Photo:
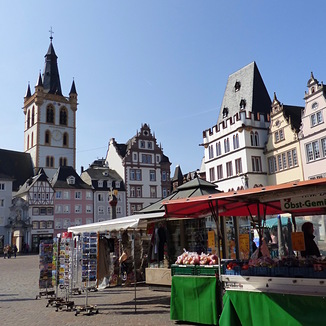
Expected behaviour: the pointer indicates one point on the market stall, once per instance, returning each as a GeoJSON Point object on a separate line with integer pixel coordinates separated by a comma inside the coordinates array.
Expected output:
{"type": "Point", "coordinates": [293, 279]}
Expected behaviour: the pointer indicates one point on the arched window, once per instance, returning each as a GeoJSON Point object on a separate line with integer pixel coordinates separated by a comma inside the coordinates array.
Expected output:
{"type": "Point", "coordinates": [32, 140]}
{"type": "Point", "coordinates": [33, 116]}
{"type": "Point", "coordinates": [65, 139]}
{"type": "Point", "coordinates": [28, 118]}
{"type": "Point", "coordinates": [256, 139]}
{"type": "Point", "coordinates": [63, 116]}
{"type": "Point", "coordinates": [50, 114]}
{"type": "Point", "coordinates": [49, 161]}
{"type": "Point", "coordinates": [47, 137]}
{"type": "Point", "coordinates": [235, 141]}
{"type": "Point", "coordinates": [28, 142]}
{"type": "Point", "coordinates": [252, 139]}
{"type": "Point", "coordinates": [63, 161]}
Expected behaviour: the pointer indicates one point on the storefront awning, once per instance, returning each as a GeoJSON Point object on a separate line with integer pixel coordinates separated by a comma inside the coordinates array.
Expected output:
{"type": "Point", "coordinates": [137, 221]}
{"type": "Point", "coordinates": [297, 198]}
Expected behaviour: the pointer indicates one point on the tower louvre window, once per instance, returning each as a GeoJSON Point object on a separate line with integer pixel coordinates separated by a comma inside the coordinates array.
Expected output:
{"type": "Point", "coordinates": [50, 114]}
{"type": "Point", "coordinates": [63, 116]}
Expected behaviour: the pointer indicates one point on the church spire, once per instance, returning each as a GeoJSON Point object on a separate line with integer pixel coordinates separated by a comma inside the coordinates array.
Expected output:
{"type": "Point", "coordinates": [51, 78]}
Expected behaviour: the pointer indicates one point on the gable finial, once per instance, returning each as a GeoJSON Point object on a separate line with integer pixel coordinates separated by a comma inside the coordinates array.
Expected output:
{"type": "Point", "coordinates": [51, 34]}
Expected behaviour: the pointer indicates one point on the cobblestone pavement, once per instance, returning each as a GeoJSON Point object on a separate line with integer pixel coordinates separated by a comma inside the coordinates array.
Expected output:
{"type": "Point", "coordinates": [18, 304]}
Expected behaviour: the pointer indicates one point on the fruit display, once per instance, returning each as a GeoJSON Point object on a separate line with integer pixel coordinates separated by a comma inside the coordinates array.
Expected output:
{"type": "Point", "coordinates": [193, 258]}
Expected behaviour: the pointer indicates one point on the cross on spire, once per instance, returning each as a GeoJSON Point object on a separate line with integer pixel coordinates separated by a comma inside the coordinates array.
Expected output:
{"type": "Point", "coordinates": [51, 33]}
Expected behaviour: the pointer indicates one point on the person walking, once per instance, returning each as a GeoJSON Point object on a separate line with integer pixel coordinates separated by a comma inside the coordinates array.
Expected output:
{"type": "Point", "coordinates": [15, 249]}
{"type": "Point", "coordinates": [5, 251]}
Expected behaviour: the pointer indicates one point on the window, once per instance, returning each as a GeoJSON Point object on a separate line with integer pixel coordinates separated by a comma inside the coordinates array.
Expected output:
{"type": "Point", "coordinates": [256, 164]}
{"type": "Point", "coordinates": [242, 104]}
{"type": "Point", "coordinates": [78, 221]}
{"type": "Point", "coordinates": [138, 191]}
{"type": "Point", "coordinates": [237, 86]}
{"type": "Point", "coordinates": [229, 170]}
{"type": "Point", "coordinates": [138, 175]}
{"type": "Point", "coordinates": [58, 209]}
{"type": "Point", "coordinates": [78, 195]}
{"type": "Point", "coordinates": [164, 192]}
{"type": "Point", "coordinates": [210, 152]}
{"type": "Point", "coordinates": [158, 158]}
{"type": "Point", "coordinates": [88, 195]}
{"type": "Point", "coordinates": [66, 209]}
{"type": "Point", "coordinates": [2, 186]}
{"type": "Point", "coordinates": [153, 192]}
{"type": "Point", "coordinates": [100, 197]}
{"type": "Point", "coordinates": [284, 161]}
{"type": "Point", "coordinates": [33, 116]}
{"type": "Point", "coordinates": [152, 175]}
{"type": "Point", "coordinates": [134, 157]}
{"type": "Point", "coordinates": [71, 180]}
{"type": "Point", "coordinates": [316, 119]}
{"type": "Point", "coordinates": [226, 145]}
{"type": "Point", "coordinates": [132, 191]}
{"type": "Point", "coordinates": [50, 114]}
{"type": "Point", "coordinates": [219, 170]}
{"type": "Point", "coordinates": [142, 144]}
{"type": "Point", "coordinates": [63, 116]}
{"type": "Point", "coordinates": [66, 223]}
{"type": "Point", "coordinates": [65, 139]}
{"type": "Point", "coordinates": [100, 210]}
{"type": "Point", "coordinates": [279, 162]}
{"type": "Point", "coordinates": [100, 183]}
{"type": "Point", "coordinates": [28, 118]}
{"type": "Point", "coordinates": [89, 208]}
{"type": "Point", "coordinates": [58, 194]}
{"type": "Point", "coordinates": [78, 209]}
{"type": "Point", "coordinates": [146, 158]}
{"type": "Point", "coordinates": [2, 202]}
{"type": "Point", "coordinates": [149, 145]}
{"type": "Point", "coordinates": [281, 132]}
{"type": "Point", "coordinates": [163, 175]}
{"type": "Point", "coordinates": [47, 137]}
{"type": "Point", "coordinates": [295, 157]}
{"type": "Point", "coordinates": [58, 223]}
{"type": "Point", "coordinates": [35, 225]}
{"type": "Point", "coordinates": [66, 195]}
{"type": "Point", "coordinates": [238, 166]}
{"type": "Point", "coordinates": [254, 138]}
{"type": "Point", "coordinates": [118, 209]}
{"type": "Point", "coordinates": [49, 161]}
{"type": "Point", "coordinates": [132, 174]}
{"type": "Point", "coordinates": [235, 141]}
{"type": "Point", "coordinates": [271, 165]}
{"type": "Point", "coordinates": [89, 220]}
{"type": "Point", "coordinates": [218, 149]}
{"type": "Point", "coordinates": [49, 224]}
{"type": "Point", "coordinates": [312, 151]}
{"type": "Point", "coordinates": [42, 225]}
{"type": "Point", "coordinates": [211, 175]}
{"type": "Point", "coordinates": [63, 161]}
{"type": "Point", "coordinates": [42, 211]}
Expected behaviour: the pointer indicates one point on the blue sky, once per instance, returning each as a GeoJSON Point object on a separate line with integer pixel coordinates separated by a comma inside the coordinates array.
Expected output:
{"type": "Point", "coordinates": [164, 63]}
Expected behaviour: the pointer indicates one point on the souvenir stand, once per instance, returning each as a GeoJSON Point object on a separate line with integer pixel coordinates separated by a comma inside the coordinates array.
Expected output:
{"type": "Point", "coordinates": [45, 266]}
{"type": "Point", "coordinates": [290, 289]}
{"type": "Point", "coordinates": [88, 246]}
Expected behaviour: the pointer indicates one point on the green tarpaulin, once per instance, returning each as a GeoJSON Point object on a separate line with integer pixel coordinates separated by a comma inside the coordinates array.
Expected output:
{"type": "Point", "coordinates": [194, 299]}
{"type": "Point", "coordinates": [270, 309]}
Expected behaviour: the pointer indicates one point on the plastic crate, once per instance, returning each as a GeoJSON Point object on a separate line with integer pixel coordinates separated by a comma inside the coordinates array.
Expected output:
{"type": "Point", "coordinates": [235, 271]}
{"type": "Point", "coordinates": [260, 271]}
{"type": "Point", "coordinates": [280, 271]}
{"type": "Point", "coordinates": [209, 270]}
{"type": "Point", "coordinates": [183, 270]}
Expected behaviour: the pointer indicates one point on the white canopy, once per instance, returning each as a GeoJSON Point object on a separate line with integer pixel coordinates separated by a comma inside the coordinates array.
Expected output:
{"type": "Point", "coordinates": [137, 221]}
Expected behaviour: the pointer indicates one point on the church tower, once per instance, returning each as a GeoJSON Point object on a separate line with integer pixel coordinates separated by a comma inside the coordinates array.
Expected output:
{"type": "Point", "coordinates": [50, 119]}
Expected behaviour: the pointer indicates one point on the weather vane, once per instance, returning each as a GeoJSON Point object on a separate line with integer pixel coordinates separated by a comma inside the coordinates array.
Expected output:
{"type": "Point", "coordinates": [51, 33]}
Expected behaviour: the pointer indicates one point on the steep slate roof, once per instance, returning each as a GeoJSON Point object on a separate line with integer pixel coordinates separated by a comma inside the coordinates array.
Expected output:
{"type": "Point", "coordinates": [51, 78]}
{"type": "Point", "coordinates": [295, 113]}
{"type": "Point", "coordinates": [193, 188]}
{"type": "Point", "coordinates": [41, 176]}
{"type": "Point", "coordinates": [251, 89]}
{"type": "Point", "coordinates": [59, 179]}
{"type": "Point", "coordinates": [17, 166]}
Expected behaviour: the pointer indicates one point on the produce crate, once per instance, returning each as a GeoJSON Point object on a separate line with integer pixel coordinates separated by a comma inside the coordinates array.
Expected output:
{"type": "Point", "coordinates": [207, 270]}
{"type": "Point", "coordinates": [280, 271]}
{"type": "Point", "coordinates": [235, 271]}
{"type": "Point", "coordinates": [183, 270]}
{"type": "Point", "coordinates": [260, 271]}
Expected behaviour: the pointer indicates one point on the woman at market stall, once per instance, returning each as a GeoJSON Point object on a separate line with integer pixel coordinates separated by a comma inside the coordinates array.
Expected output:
{"type": "Point", "coordinates": [310, 244]}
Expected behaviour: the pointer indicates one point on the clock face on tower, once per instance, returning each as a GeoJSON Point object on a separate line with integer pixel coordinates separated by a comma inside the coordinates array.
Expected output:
{"type": "Point", "coordinates": [56, 134]}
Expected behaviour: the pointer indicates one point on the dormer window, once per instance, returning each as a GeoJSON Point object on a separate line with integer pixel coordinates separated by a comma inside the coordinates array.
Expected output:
{"type": "Point", "coordinates": [105, 173]}
{"type": "Point", "coordinates": [314, 106]}
{"type": "Point", "coordinates": [225, 112]}
{"type": "Point", "coordinates": [237, 86]}
{"type": "Point", "coordinates": [71, 180]}
{"type": "Point", "coordinates": [242, 104]}
{"type": "Point", "coordinates": [100, 183]}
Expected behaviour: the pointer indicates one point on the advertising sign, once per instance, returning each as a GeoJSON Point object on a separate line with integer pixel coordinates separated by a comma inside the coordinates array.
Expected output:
{"type": "Point", "coordinates": [304, 202]}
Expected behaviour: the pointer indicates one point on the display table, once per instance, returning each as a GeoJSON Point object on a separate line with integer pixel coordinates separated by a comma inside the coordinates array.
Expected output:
{"type": "Point", "coordinates": [259, 308]}
{"type": "Point", "coordinates": [195, 299]}
{"type": "Point", "coordinates": [158, 276]}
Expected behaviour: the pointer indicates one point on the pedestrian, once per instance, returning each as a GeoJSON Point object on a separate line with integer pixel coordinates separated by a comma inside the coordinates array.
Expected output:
{"type": "Point", "coordinates": [5, 251]}
{"type": "Point", "coordinates": [9, 251]}
{"type": "Point", "coordinates": [311, 248]}
{"type": "Point", "coordinates": [15, 249]}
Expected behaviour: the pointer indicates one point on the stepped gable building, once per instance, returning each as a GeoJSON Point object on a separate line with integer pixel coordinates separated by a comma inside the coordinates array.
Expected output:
{"type": "Point", "coordinates": [15, 169]}
{"type": "Point", "coordinates": [283, 152]}
{"type": "Point", "coordinates": [73, 202]}
{"type": "Point", "coordinates": [38, 194]}
{"type": "Point", "coordinates": [143, 167]}
{"type": "Point", "coordinates": [109, 191]}
{"type": "Point", "coordinates": [50, 119]}
{"type": "Point", "coordinates": [234, 147]}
